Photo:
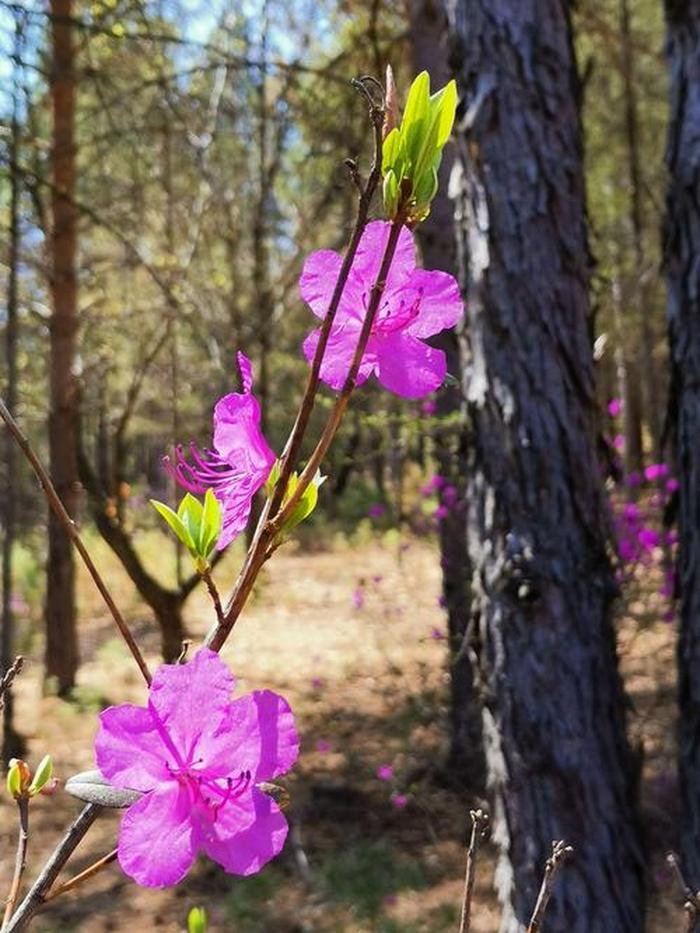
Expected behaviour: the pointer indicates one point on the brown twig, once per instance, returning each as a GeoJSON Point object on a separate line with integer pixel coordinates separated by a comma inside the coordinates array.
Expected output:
{"type": "Point", "coordinates": [215, 598]}
{"type": "Point", "coordinates": [560, 852]}
{"type": "Point", "coordinates": [72, 532]}
{"type": "Point", "coordinates": [81, 876]}
{"type": "Point", "coordinates": [480, 822]}
{"type": "Point", "coordinates": [692, 898]}
{"type": "Point", "coordinates": [60, 855]}
{"type": "Point", "coordinates": [20, 859]}
{"type": "Point", "coordinates": [9, 676]}
{"type": "Point", "coordinates": [261, 546]}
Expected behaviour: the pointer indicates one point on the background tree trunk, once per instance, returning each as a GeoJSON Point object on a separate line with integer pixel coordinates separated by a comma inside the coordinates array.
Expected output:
{"type": "Point", "coordinates": [61, 639]}
{"type": "Point", "coordinates": [558, 760]}
{"type": "Point", "coordinates": [11, 741]}
{"type": "Point", "coordinates": [428, 33]}
{"type": "Point", "coordinates": [681, 257]}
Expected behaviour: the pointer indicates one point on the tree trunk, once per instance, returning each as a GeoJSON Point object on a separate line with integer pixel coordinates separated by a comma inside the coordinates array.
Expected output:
{"type": "Point", "coordinates": [559, 765]}
{"type": "Point", "coordinates": [11, 741]}
{"type": "Point", "coordinates": [681, 252]}
{"type": "Point", "coordinates": [61, 639]}
{"type": "Point", "coordinates": [436, 236]}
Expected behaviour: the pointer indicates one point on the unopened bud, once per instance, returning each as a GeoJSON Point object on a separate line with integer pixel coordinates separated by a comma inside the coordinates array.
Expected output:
{"type": "Point", "coordinates": [391, 104]}
{"type": "Point", "coordinates": [18, 778]}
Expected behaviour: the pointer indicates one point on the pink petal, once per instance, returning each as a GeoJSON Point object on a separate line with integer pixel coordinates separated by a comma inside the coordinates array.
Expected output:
{"type": "Point", "coordinates": [129, 749]}
{"type": "Point", "coordinates": [157, 841]}
{"type": "Point", "coordinates": [191, 702]}
{"type": "Point", "coordinates": [370, 252]}
{"type": "Point", "coordinates": [338, 356]}
{"type": "Point", "coordinates": [318, 281]}
{"type": "Point", "coordinates": [441, 304]}
{"type": "Point", "coordinates": [236, 501]}
{"type": "Point", "coordinates": [267, 743]}
{"type": "Point", "coordinates": [246, 834]}
{"type": "Point", "coordinates": [238, 438]}
{"type": "Point", "coordinates": [407, 366]}
{"type": "Point", "coordinates": [246, 370]}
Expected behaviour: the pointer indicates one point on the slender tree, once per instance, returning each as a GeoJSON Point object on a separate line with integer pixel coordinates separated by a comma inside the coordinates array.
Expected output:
{"type": "Point", "coordinates": [681, 252]}
{"type": "Point", "coordinates": [559, 766]}
{"type": "Point", "coordinates": [61, 638]}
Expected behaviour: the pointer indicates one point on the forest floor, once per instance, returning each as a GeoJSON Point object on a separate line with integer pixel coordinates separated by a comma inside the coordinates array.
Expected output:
{"type": "Point", "coordinates": [350, 636]}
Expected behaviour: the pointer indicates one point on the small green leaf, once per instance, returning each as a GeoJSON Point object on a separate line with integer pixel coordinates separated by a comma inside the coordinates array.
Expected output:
{"type": "Point", "coordinates": [417, 101]}
{"type": "Point", "coordinates": [446, 101]}
{"type": "Point", "coordinates": [42, 775]}
{"type": "Point", "coordinates": [175, 523]}
{"type": "Point", "coordinates": [391, 149]}
{"type": "Point", "coordinates": [390, 193]}
{"type": "Point", "coordinates": [14, 779]}
{"type": "Point", "coordinates": [197, 920]}
{"type": "Point", "coordinates": [271, 480]}
{"type": "Point", "coordinates": [212, 518]}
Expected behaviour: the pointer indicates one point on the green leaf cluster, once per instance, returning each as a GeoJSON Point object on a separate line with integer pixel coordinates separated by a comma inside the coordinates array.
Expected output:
{"type": "Point", "coordinates": [21, 782]}
{"type": "Point", "coordinates": [412, 151]}
{"type": "Point", "coordinates": [197, 526]}
{"type": "Point", "coordinates": [306, 504]}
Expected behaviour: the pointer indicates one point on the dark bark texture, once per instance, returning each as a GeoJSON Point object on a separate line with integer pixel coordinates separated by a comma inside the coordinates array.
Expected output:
{"type": "Point", "coordinates": [559, 765]}
{"type": "Point", "coordinates": [61, 638]}
{"type": "Point", "coordinates": [682, 264]}
{"type": "Point", "coordinates": [436, 236]}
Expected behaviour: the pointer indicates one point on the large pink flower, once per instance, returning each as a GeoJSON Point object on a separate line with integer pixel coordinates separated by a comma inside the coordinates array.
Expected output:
{"type": "Point", "coordinates": [238, 465]}
{"type": "Point", "coordinates": [416, 304]}
{"type": "Point", "coordinates": [198, 758]}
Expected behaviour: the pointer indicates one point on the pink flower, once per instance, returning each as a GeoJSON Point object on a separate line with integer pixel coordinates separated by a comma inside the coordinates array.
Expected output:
{"type": "Point", "coordinates": [399, 801]}
{"type": "Point", "coordinates": [317, 683]}
{"type": "Point", "coordinates": [618, 442]}
{"type": "Point", "coordinates": [436, 634]}
{"type": "Point", "coordinates": [376, 510]}
{"type": "Point", "coordinates": [441, 512]}
{"type": "Point", "coordinates": [415, 305]}
{"type": "Point", "coordinates": [672, 485]}
{"type": "Point", "coordinates": [198, 757]}
{"type": "Point", "coordinates": [656, 471]}
{"type": "Point", "coordinates": [385, 773]}
{"type": "Point", "coordinates": [634, 479]}
{"type": "Point", "coordinates": [238, 465]}
{"type": "Point", "coordinates": [323, 746]}
{"type": "Point", "coordinates": [429, 407]}
{"type": "Point", "coordinates": [358, 597]}
{"type": "Point", "coordinates": [614, 407]}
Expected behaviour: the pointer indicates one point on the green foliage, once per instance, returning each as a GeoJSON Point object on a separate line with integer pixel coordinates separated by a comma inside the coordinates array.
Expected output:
{"type": "Point", "coordinates": [412, 151]}
{"type": "Point", "coordinates": [306, 504]}
{"type": "Point", "coordinates": [197, 526]}
{"type": "Point", "coordinates": [197, 920]}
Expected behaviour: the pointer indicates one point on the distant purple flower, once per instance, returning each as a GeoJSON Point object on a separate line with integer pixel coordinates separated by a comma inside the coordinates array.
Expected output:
{"type": "Point", "coordinates": [672, 485]}
{"type": "Point", "coordinates": [441, 512]}
{"type": "Point", "coordinates": [399, 801]}
{"type": "Point", "coordinates": [429, 407]}
{"type": "Point", "coordinates": [323, 746]}
{"type": "Point", "coordinates": [626, 550]}
{"type": "Point", "coordinates": [669, 616]}
{"type": "Point", "coordinates": [618, 442]}
{"type": "Point", "coordinates": [358, 597]}
{"type": "Point", "coordinates": [377, 578]}
{"type": "Point", "coordinates": [198, 757]}
{"type": "Point", "coordinates": [239, 462]}
{"type": "Point", "coordinates": [614, 407]}
{"type": "Point", "coordinates": [442, 601]}
{"type": "Point", "coordinates": [317, 683]}
{"type": "Point", "coordinates": [376, 510]}
{"type": "Point", "coordinates": [385, 773]}
{"type": "Point", "coordinates": [416, 304]}
{"type": "Point", "coordinates": [648, 538]}
{"type": "Point", "coordinates": [449, 494]}
{"type": "Point", "coordinates": [437, 635]}
{"type": "Point", "coordinates": [656, 471]}
{"type": "Point", "coordinates": [634, 479]}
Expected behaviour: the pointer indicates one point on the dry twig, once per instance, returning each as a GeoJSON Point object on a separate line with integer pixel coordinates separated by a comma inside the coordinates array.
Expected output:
{"type": "Point", "coordinates": [560, 852]}
{"type": "Point", "coordinates": [480, 824]}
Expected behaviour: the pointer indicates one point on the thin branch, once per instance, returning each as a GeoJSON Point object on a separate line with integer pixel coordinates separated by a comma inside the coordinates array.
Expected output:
{"type": "Point", "coordinates": [20, 859]}
{"type": "Point", "coordinates": [9, 676]}
{"type": "Point", "coordinates": [215, 598]}
{"type": "Point", "coordinates": [560, 852]}
{"type": "Point", "coordinates": [72, 532]}
{"type": "Point", "coordinates": [81, 876]}
{"type": "Point", "coordinates": [63, 851]}
{"type": "Point", "coordinates": [259, 549]}
{"type": "Point", "coordinates": [480, 822]}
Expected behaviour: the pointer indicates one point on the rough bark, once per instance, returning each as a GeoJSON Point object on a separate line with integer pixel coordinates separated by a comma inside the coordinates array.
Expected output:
{"type": "Point", "coordinates": [428, 36]}
{"type": "Point", "coordinates": [559, 765]}
{"type": "Point", "coordinates": [681, 252]}
{"type": "Point", "coordinates": [61, 639]}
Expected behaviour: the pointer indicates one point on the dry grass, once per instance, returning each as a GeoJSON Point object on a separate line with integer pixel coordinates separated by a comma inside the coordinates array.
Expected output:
{"type": "Point", "coordinates": [370, 684]}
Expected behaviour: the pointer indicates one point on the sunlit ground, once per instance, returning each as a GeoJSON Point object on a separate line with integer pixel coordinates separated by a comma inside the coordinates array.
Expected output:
{"type": "Point", "coordinates": [347, 634]}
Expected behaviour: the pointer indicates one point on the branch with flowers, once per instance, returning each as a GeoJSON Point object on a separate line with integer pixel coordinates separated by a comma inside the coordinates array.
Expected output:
{"type": "Point", "coordinates": [193, 768]}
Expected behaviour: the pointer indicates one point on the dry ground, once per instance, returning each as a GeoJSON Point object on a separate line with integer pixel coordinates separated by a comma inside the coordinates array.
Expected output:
{"type": "Point", "coordinates": [368, 688]}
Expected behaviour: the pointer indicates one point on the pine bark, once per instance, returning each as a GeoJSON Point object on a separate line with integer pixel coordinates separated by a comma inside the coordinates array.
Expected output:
{"type": "Point", "coordinates": [681, 252]}
{"type": "Point", "coordinates": [61, 637]}
{"type": "Point", "coordinates": [559, 765]}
